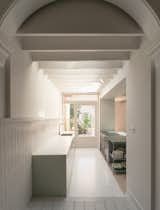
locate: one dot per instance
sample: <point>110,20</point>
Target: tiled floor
<point>119,203</point>
<point>92,177</point>
<point>121,180</point>
<point>93,187</point>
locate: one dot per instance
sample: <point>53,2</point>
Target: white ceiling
<point>73,36</point>
<point>80,76</point>
<point>118,90</point>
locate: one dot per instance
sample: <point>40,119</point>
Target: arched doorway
<point>10,24</point>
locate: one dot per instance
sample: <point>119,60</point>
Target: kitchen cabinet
<point>113,148</point>
<point>52,167</point>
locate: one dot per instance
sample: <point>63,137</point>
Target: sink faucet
<point>59,127</point>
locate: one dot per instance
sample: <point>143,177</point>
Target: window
<point>69,117</point>
<point>80,118</point>
<point>86,120</point>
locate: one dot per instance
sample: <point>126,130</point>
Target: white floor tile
<point>110,203</point>
<point>91,176</point>
<point>93,187</point>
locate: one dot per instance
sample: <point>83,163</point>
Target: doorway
<point>80,118</point>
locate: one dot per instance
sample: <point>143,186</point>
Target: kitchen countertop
<point>58,145</point>
<point>114,137</point>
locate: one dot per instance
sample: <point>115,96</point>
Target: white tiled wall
<point>18,139</point>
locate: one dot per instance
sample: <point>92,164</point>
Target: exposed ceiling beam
<point>80,56</point>
<point>78,75</point>
<point>54,43</point>
<point>72,84</point>
<point>76,81</point>
<point>99,72</point>
<point>75,86</point>
<point>74,65</point>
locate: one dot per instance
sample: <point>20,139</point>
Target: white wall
<point>157,161</point>
<point>19,139</point>
<point>32,94</point>
<point>139,118</point>
<point>2,93</point>
<point>107,114</point>
<point>156,129</point>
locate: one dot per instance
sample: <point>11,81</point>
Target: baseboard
<point>134,200</point>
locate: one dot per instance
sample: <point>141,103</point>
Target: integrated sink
<point>66,134</point>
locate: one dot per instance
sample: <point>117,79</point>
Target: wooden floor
<point>117,203</point>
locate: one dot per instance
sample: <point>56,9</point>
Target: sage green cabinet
<point>51,173</point>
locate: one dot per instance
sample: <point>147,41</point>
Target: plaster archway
<point>19,10</point>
